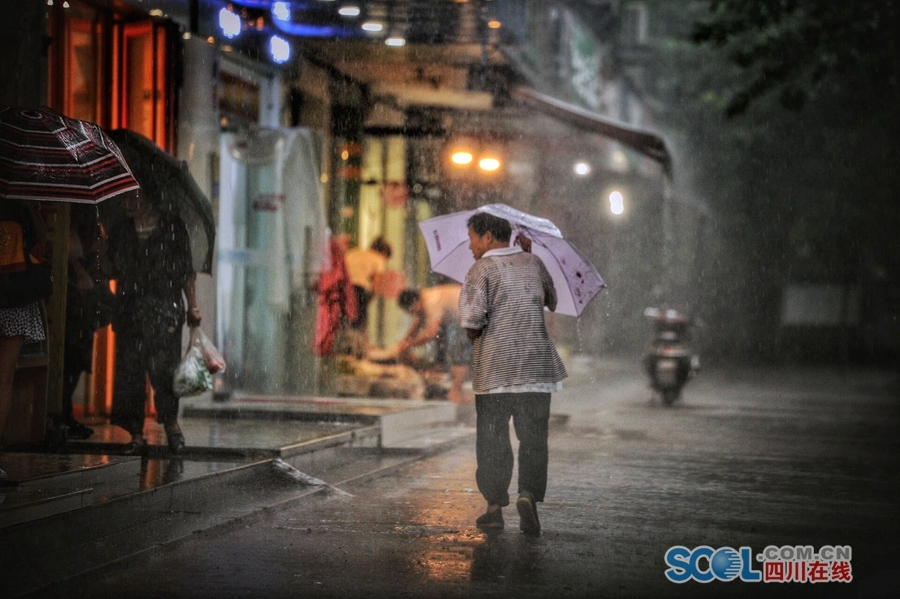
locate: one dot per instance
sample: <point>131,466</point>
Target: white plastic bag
<point>194,373</point>
<point>192,377</point>
<point>215,363</point>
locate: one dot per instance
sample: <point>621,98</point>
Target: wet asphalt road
<point>749,458</point>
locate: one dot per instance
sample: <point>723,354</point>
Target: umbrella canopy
<point>575,278</point>
<point>45,156</point>
<point>168,184</point>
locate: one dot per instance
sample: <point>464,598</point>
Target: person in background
<point>151,262</point>
<point>19,324</point>
<point>89,304</point>
<point>337,300</point>
<point>435,317</point>
<point>515,367</point>
<point>364,268</point>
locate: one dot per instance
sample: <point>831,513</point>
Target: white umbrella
<point>575,278</point>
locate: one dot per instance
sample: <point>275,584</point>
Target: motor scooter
<point>669,361</point>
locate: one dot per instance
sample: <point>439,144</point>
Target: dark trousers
<point>363,297</point>
<point>530,413</point>
<point>142,354</point>
<point>76,359</point>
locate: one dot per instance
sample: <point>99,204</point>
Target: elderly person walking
<point>515,367</point>
<point>151,260</point>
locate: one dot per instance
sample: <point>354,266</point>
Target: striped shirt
<point>503,296</point>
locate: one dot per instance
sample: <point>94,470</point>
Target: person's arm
<point>404,344</point>
<point>473,312</point>
<point>426,330</point>
<point>83,279</point>
<point>42,249</point>
<point>190,292</point>
<point>550,298</point>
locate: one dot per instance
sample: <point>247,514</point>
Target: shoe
<point>528,518</point>
<point>490,520</point>
<point>175,437</point>
<point>137,446</point>
<point>77,430</point>
<point>176,442</point>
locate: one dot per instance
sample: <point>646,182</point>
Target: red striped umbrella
<point>45,156</point>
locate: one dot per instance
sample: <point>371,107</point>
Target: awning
<point>648,143</point>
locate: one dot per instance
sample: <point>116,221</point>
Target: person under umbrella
<point>168,181</point>
<point>44,157</point>
<point>22,235</point>
<point>151,261</point>
<point>575,278</point>
<point>515,366</point>
<point>89,303</point>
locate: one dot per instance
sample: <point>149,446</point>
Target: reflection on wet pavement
<point>221,433</point>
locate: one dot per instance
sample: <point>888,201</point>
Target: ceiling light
<point>280,49</point>
<point>395,41</point>
<point>616,203</point>
<point>230,23</point>
<point>372,26</point>
<point>494,24</point>
<point>349,11</point>
<point>582,169</point>
<point>281,11</point>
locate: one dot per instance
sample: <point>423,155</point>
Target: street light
<point>465,152</point>
<point>461,157</point>
<point>489,164</point>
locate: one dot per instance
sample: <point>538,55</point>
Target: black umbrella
<point>168,184</point>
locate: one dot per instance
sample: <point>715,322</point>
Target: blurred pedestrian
<point>435,318</point>
<point>89,305</point>
<point>22,242</point>
<point>515,367</point>
<point>151,260</point>
<point>364,268</point>
<point>337,301</point>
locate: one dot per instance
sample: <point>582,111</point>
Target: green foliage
<point>795,195</point>
<point>798,49</point>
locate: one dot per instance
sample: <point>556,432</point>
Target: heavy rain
<point>279,276</point>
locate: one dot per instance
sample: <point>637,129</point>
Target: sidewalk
<point>231,445</point>
<point>752,457</point>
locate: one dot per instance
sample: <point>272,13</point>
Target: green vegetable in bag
<point>192,377</point>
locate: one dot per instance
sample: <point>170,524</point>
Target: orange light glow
<point>461,157</point>
<point>489,164</point>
